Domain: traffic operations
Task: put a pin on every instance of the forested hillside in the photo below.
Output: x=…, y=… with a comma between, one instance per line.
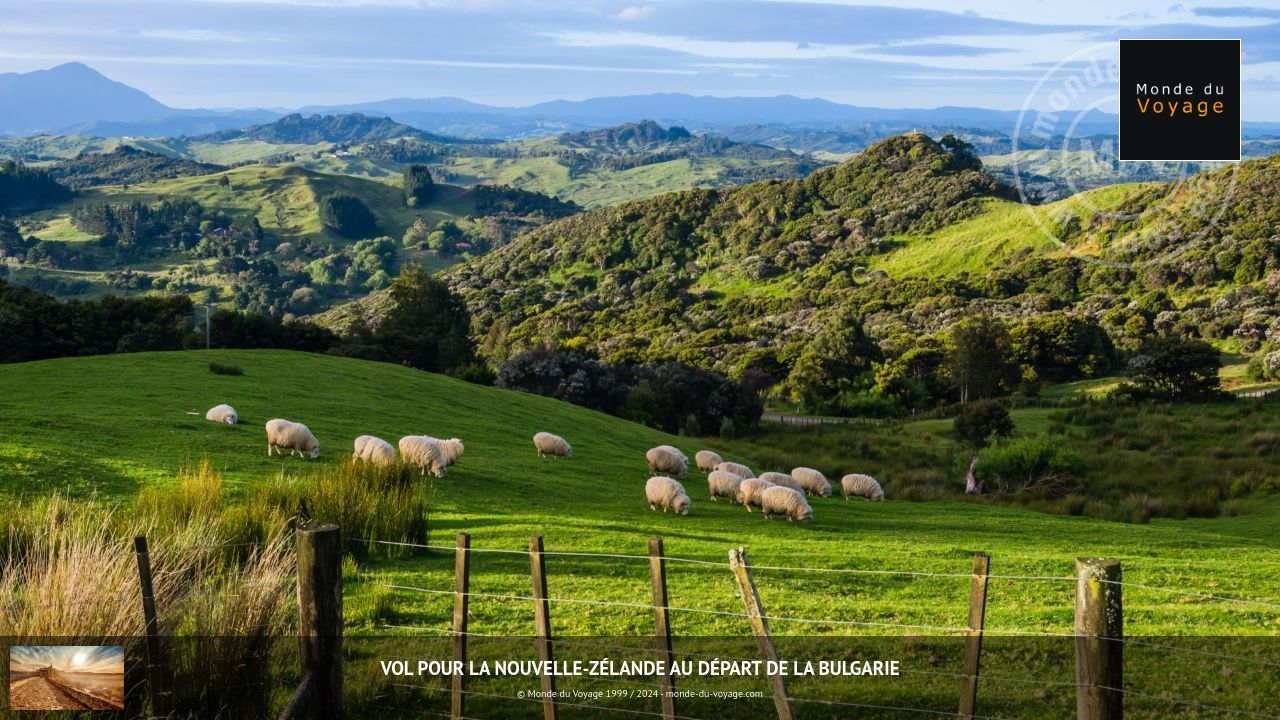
x=349, y=128
x=126, y=165
x=780, y=277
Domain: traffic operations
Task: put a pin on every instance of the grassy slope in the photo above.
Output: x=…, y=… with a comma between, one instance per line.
x=1001, y=230
x=259, y=190
x=110, y=424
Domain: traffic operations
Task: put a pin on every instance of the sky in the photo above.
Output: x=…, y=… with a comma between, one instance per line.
x=75, y=658
x=903, y=53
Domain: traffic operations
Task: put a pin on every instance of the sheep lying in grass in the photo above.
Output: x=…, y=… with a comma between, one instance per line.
x=295, y=437
x=663, y=492
x=373, y=450
x=424, y=453
x=783, y=479
x=723, y=485
x=813, y=482
x=749, y=491
x=552, y=445
x=863, y=486
x=666, y=459
x=707, y=460
x=738, y=469
x=785, y=501
x=222, y=414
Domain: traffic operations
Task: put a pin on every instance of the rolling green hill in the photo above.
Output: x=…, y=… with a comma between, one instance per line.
x=910, y=237
x=141, y=419
x=284, y=202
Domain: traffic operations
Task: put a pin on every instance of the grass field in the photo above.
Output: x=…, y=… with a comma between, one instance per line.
x=106, y=430
x=104, y=427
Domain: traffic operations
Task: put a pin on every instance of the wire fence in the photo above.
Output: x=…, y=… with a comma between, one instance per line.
x=782, y=620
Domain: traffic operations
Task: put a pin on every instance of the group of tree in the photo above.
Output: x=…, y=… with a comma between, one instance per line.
x=25, y=189
x=418, y=185
x=135, y=229
x=670, y=396
x=347, y=215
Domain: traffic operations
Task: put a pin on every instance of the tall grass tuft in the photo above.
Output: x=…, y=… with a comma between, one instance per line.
x=369, y=503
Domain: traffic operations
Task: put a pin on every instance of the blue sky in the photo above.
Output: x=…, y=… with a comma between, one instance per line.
x=910, y=53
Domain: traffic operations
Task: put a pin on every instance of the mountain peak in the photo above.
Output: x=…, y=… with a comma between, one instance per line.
x=70, y=94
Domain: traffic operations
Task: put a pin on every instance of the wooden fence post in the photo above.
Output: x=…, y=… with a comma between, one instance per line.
x=973, y=635
x=760, y=627
x=662, y=626
x=320, y=616
x=461, y=588
x=155, y=662
x=542, y=627
x=1099, y=640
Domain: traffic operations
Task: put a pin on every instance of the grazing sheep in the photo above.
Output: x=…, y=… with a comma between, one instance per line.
x=785, y=501
x=373, y=450
x=668, y=494
x=783, y=479
x=677, y=451
x=552, y=445
x=662, y=459
x=723, y=484
x=738, y=469
x=813, y=482
x=222, y=414
x=707, y=460
x=749, y=492
x=863, y=486
x=452, y=450
x=295, y=437
x=424, y=453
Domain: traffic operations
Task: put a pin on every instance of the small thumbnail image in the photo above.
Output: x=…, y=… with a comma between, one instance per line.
x=66, y=677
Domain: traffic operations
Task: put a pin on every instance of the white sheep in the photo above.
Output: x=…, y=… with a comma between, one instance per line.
x=373, y=450
x=738, y=469
x=553, y=445
x=863, y=486
x=677, y=451
x=723, y=484
x=666, y=493
x=707, y=460
x=666, y=459
x=813, y=482
x=452, y=450
x=424, y=453
x=749, y=492
x=783, y=479
x=785, y=501
x=295, y=437
x=222, y=414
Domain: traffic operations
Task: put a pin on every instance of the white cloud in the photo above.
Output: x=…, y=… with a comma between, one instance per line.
x=635, y=12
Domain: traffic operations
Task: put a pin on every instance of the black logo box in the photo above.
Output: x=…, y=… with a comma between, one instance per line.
x=1186, y=65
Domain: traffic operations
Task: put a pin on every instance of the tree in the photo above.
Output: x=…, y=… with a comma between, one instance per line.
x=974, y=427
x=347, y=215
x=980, y=358
x=839, y=353
x=1174, y=368
x=418, y=186
x=427, y=326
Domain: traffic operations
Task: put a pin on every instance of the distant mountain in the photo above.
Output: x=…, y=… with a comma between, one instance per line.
x=702, y=112
x=348, y=128
x=628, y=135
x=189, y=122
x=67, y=95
